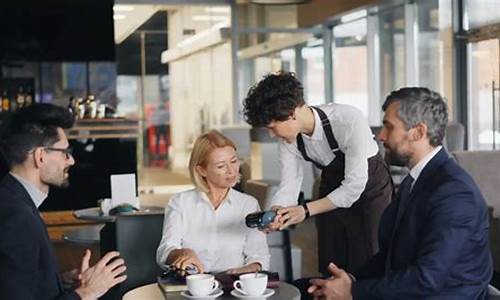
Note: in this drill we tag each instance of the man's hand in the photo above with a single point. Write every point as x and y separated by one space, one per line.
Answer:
182 258
291 215
336 287
95 281
71 279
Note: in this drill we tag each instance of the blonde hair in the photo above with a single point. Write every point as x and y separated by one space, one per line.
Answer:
202 148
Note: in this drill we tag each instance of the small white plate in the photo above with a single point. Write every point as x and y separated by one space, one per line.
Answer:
214 294
267 293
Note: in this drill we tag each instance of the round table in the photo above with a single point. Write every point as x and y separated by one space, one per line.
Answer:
95 214
285 291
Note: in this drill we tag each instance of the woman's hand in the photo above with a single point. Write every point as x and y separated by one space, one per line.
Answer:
276 224
182 258
291 215
250 268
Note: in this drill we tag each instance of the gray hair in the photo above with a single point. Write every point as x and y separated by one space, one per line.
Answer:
421 105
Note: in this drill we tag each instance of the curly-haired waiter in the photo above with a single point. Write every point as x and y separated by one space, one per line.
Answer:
355 182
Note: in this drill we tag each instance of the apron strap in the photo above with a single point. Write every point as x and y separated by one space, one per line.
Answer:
302 149
327 128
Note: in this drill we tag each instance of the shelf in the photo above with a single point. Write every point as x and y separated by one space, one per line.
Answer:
104 129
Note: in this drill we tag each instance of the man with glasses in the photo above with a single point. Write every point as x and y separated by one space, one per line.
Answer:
35 147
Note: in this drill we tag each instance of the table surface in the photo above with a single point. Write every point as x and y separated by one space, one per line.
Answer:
94 213
286 291
86 236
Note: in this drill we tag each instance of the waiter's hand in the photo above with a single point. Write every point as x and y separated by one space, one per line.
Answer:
276 224
291 215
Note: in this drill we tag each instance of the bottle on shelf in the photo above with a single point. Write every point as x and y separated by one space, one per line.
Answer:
80 108
5 101
71 105
90 107
20 98
28 99
2 106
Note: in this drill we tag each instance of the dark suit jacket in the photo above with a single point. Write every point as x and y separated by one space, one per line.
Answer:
28 268
440 249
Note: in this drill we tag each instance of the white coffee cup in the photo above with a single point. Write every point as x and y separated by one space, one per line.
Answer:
253 284
201 284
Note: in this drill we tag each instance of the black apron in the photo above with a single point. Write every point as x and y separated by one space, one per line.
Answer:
348 236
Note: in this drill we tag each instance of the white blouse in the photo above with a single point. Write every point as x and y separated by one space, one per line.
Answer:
355 140
219 237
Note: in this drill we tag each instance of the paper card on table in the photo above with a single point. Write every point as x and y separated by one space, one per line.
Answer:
123 190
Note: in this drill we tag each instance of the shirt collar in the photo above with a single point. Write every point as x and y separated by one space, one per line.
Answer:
229 196
318 128
417 169
36 195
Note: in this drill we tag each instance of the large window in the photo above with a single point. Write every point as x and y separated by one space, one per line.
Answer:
308 66
435 52
313 72
392 50
483 79
350 65
481 12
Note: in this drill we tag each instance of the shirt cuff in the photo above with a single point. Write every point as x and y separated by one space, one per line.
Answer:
340 199
162 260
264 263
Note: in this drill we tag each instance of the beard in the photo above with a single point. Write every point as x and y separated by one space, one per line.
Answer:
65 183
396 159
59 179
65 180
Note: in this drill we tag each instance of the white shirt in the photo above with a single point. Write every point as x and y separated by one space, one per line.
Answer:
417 169
219 237
355 140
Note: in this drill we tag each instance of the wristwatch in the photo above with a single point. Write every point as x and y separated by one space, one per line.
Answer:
306 210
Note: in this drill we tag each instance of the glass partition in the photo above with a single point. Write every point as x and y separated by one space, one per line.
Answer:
392 50
479 13
350 63
483 94
435 46
313 75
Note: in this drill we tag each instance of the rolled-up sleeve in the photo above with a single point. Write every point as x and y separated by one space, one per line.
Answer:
292 174
172 232
255 249
355 147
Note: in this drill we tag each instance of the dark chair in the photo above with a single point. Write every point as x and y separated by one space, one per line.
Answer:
454 139
483 167
136 237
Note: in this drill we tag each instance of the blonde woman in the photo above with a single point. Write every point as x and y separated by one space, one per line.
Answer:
205 227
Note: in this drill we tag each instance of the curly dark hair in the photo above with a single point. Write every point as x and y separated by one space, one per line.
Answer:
273 99
31 127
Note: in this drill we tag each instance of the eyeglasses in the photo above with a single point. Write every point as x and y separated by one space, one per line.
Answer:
68 152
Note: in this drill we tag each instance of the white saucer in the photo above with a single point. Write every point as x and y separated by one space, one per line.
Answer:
214 294
267 293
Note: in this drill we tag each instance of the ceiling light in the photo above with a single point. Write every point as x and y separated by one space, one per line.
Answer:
282 2
118 17
353 16
209 18
123 8
218 9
